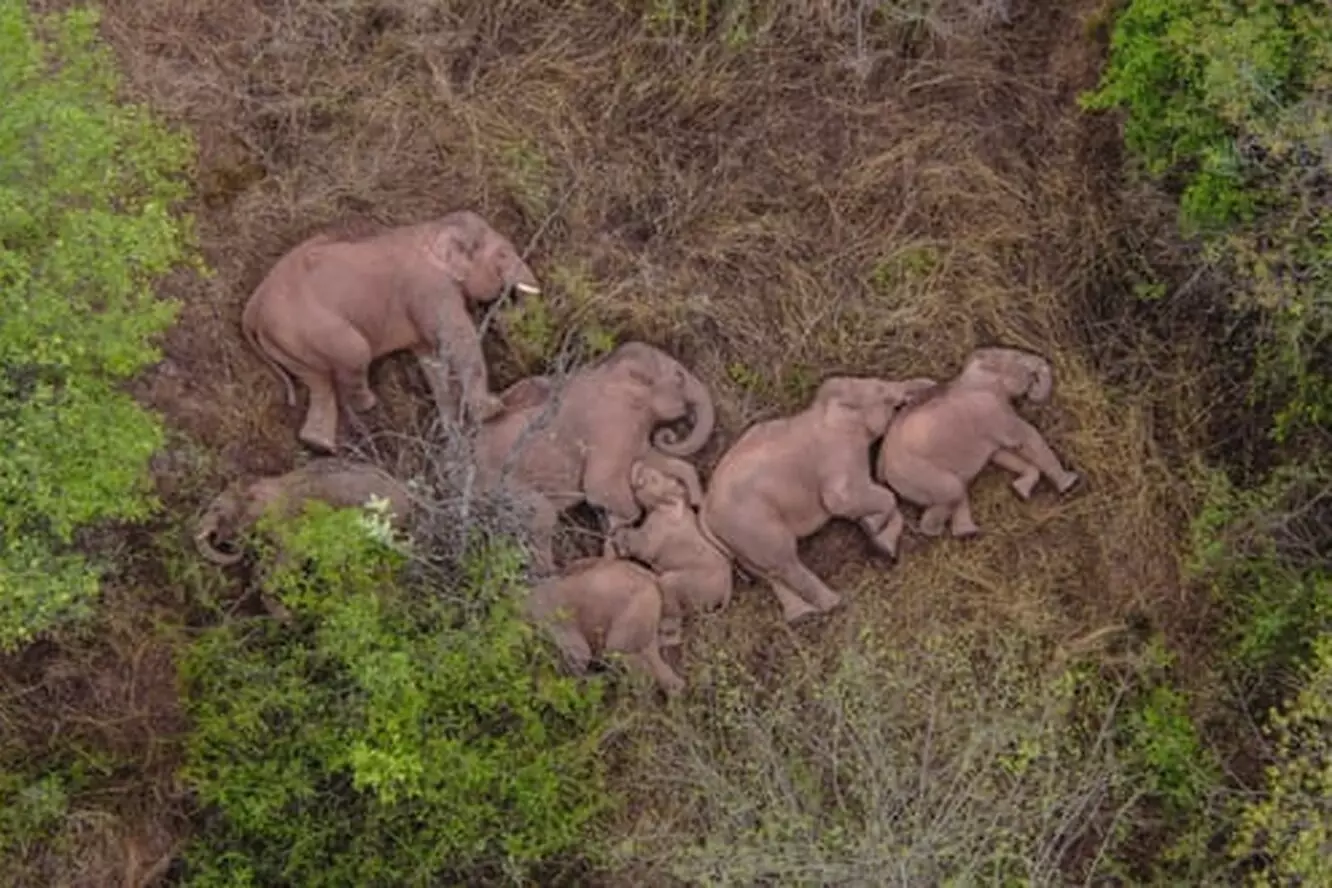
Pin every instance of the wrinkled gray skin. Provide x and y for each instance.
(605, 418)
(784, 479)
(598, 605)
(338, 482)
(933, 450)
(694, 575)
(328, 308)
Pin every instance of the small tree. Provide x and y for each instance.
(86, 186)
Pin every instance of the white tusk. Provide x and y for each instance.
(528, 289)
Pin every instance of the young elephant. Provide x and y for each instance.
(328, 308)
(597, 605)
(932, 451)
(692, 572)
(338, 482)
(784, 479)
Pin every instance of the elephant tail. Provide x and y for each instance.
(253, 337)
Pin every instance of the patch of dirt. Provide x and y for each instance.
(813, 200)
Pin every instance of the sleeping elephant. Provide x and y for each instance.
(328, 308)
(340, 483)
(786, 478)
(933, 450)
(694, 575)
(578, 443)
(605, 604)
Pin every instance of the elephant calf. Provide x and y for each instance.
(934, 450)
(338, 482)
(597, 605)
(692, 572)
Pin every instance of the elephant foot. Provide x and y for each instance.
(795, 612)
(1068, 482)
(670, 632)
(320, 444)
(363, 401)
(486, 408)
(1024, 485)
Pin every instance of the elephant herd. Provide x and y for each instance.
(607, 436)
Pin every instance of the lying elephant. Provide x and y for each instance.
(328, 308)
(693, 574)
(784, 479)
(340, 483)
(578, 444)
(933, 450)
(596, 605)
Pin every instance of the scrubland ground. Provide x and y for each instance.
(775, 192)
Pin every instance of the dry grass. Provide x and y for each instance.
(806, 189)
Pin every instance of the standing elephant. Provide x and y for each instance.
(338, 482)
(579, 443)
(692, 572)
(784, 479)
(933, 450)
(328, 308)
(605, 604)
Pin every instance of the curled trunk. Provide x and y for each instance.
(203, 541)
(703, 415)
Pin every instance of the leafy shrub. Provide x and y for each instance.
(1228, 100)
(1290, 827)
(85, 189)
(393, 735)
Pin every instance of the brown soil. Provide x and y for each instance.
(817, 200)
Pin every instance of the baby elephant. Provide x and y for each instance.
(691, 571)
(338, 482)
(597, 605)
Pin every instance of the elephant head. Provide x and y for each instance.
(872, 400)
(225, 517)
(1014, 371)
(653, 487)
(673, 393)
(483, 262)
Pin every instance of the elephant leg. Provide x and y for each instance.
(636, 631)
(320, 428)
(1028, 474)
(939, 490)
(573, 645)
(667, 678)
(606, 486)
(673, 596)
(541, 527)
(354, 383)
(963, 525)
(437, 377)
(853, 495)
(459, 343)
(1030, 444)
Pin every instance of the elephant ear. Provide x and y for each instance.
(453, 250)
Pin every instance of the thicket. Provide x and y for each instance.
(1228, 104)
(87, 186)
(396, 733)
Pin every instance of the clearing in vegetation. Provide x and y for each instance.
(774, 192)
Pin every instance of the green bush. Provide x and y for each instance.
(1228, 102)
(86, 186)
(1289, 828)
(393, 736)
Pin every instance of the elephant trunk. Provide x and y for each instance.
(704, 415)
(203, 541)
(1042, 380)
